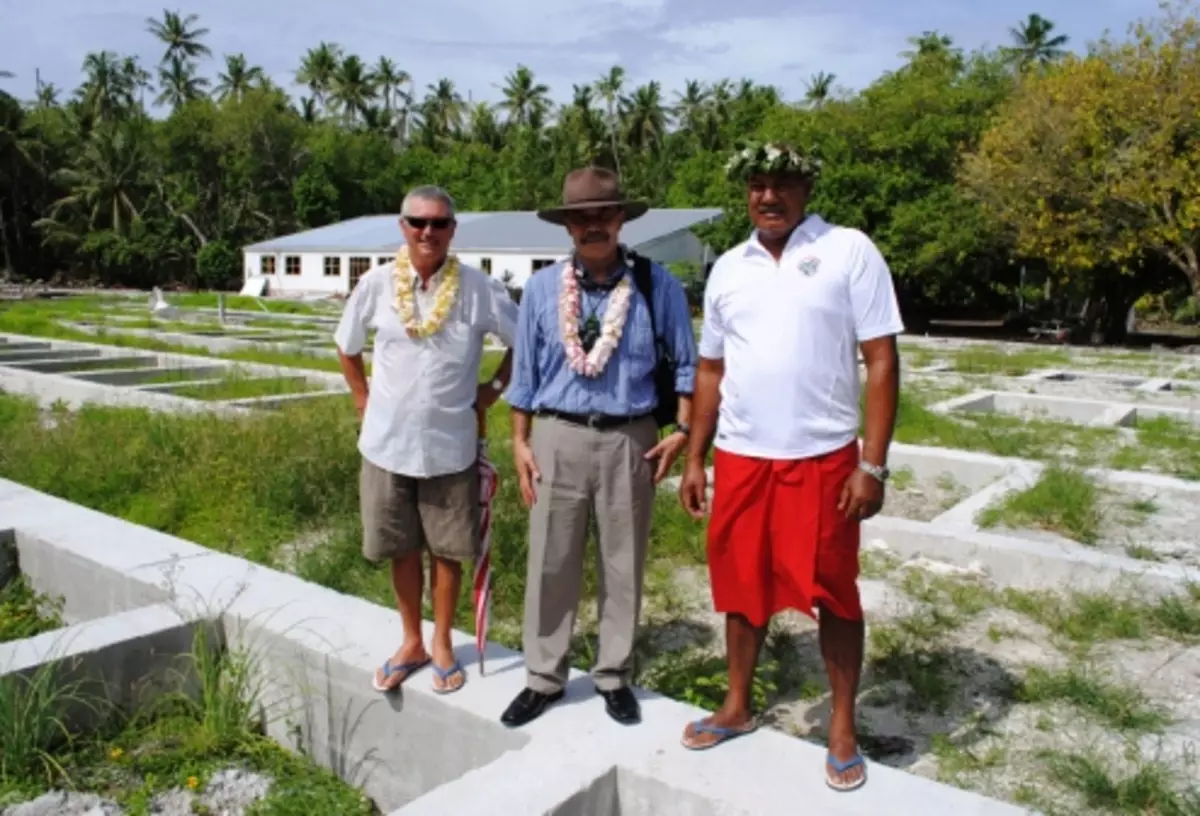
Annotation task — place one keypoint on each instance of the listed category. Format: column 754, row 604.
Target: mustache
column 595, row 237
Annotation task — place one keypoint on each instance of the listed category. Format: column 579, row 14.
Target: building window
column 383, row 260
column 486, row 265
column 266, row 264
column 291, row 265
column 358, row 267
column 538, row 263
column 333, row 266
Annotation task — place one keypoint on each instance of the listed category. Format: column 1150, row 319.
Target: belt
column 599, row 422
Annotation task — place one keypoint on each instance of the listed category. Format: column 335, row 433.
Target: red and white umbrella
column 489, row 481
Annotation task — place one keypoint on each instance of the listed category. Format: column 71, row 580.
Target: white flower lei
column 591, row 363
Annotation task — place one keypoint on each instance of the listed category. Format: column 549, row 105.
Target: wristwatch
column 683, row 428
column 879, row 472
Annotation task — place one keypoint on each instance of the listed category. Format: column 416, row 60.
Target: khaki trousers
column 586, row 474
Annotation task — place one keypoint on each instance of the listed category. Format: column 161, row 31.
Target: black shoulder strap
column 644, row 278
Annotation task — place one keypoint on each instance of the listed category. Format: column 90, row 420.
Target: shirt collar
column 812, row 227
column 585, row 281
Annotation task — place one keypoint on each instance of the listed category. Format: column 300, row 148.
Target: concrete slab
column 417, row 752
column 89, row 364
column 9, row 358
column 139, row 376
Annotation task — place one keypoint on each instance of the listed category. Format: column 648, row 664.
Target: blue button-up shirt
column 541, row 377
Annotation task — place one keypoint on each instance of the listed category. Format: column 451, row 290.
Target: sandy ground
column 228, row 793
column 1142, row 522
column 921, row 499
column 983, row 737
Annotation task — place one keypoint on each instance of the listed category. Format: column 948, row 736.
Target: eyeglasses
column 421, row 223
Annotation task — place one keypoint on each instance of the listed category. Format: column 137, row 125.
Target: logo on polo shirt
column 810, row 265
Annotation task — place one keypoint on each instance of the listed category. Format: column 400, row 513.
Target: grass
column 1121, row 708
column 985, row 360
column 1146, row 789
column 37, row 324
column 1063, row 500
column 243, row 387
column 178, row 741
column 24, row 612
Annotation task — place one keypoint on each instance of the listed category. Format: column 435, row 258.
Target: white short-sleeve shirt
column 419, row 420
column 788, row 333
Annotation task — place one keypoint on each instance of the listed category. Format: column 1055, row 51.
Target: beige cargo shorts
column 402, row 514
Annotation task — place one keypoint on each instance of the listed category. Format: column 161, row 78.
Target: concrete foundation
column 78, row 373
column 413, row 752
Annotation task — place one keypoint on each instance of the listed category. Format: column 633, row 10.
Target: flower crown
column 753, row 158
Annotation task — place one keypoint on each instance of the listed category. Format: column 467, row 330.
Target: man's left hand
column 666, row 452
column 862, row 496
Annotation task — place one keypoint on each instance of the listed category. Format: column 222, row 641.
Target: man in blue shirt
column 584, row 364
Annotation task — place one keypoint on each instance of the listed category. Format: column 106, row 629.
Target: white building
column 331, row 259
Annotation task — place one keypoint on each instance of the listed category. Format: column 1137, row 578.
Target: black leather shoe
column 528, row 706
column 621, row 705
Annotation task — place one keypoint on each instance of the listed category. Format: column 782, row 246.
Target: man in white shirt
column 419, row 486
column 785, row 314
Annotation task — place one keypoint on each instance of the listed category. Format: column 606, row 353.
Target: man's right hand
column 693, row 489
column 360, row 405
column 527, row 472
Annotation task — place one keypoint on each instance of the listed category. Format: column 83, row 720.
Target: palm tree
column 237, row 78
column 317, row 70
column 103, row 181
column 609, row 87
column 525, row 99
column 177, row 33
column 692, row 105
column 645, row 117
column 108, row 86
column 391, row 81
column 818, row 88
column 443, row 109
column 352, row 88
column 1033, row 43
column 180, row 84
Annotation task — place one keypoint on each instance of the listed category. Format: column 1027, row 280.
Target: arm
column 680, row 340
column 877, row 321
column 523, row 366
column 351, row 337
column 882, row 396
column 706, row 403
column 502, row 320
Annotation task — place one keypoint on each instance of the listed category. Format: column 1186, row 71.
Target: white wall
column 674, row 248
column 312, row 278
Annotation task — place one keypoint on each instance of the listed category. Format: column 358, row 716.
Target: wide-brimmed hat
column 592, row 187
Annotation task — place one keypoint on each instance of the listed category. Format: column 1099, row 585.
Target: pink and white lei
column 592, row 363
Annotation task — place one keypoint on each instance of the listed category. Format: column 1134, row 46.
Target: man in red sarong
column 785, row 315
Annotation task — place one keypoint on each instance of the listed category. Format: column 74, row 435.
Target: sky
column 477, row 43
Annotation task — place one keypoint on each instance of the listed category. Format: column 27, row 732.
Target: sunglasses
column 421, row 223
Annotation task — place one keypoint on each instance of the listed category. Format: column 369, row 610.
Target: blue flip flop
column 842, row 767
column 389, row 670
column 723, row 734
column 445, row 674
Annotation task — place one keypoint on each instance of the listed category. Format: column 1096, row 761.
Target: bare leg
column 743, row 641
column 407, row 583
column 446, row 583
column 842, row 650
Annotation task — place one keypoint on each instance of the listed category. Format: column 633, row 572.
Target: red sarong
column 776, row 539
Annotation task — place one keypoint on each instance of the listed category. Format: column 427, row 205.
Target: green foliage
column 24, row 612
column 95, row 188
column 217, row 264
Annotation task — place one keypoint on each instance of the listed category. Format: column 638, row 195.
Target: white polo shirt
column 789, row 333
column 419, row 420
